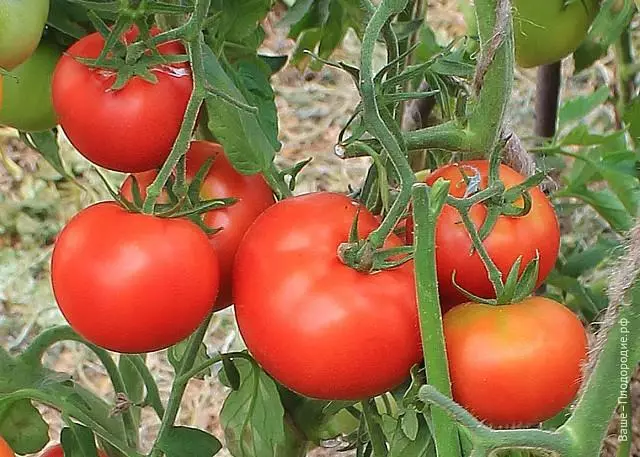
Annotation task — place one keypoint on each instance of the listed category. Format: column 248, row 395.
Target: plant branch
column 427, row 205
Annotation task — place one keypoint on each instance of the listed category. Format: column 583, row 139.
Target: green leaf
column 238, row 20
column 421, row 446
column 245, row 143
column 132, row 380
column 577, row 108
column 584, row 260
column 23, row 428
column 295, row 14
column 231, row 372
column 632, row 118
column 186, row 441
column 609, row 24
column 252, row 77
column 409, row 423
column 606, row 204
column 275, row 63
column 176, row 352
column 47, row 145
column 78, row 441
column 253, row 416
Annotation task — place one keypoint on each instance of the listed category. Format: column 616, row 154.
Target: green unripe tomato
column 26, row 102
column 21, row 26
column 547, row 31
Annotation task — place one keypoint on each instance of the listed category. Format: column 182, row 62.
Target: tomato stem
column 180, row 384
column 375, row 432
column 34, row 353
column 427, row 205
column 180, row 146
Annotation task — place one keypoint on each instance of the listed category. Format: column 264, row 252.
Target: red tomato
column 516, row 364
column 57, row 451
column 253, row 193
column 510, row 238
column 319, row 327
column 131, row 129
column 132, row 282
column 5, row 450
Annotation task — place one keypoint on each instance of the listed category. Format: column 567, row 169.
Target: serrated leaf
column 252, row 78
column 22, row 426
column 245, row 143
column 579, row 107
column 193, row 442
column 253, row 416
column 612, row 19
column 607, row 205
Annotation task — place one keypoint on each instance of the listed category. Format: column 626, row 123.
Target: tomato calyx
column 513, row 290
column 363, row 256
column 183, row 200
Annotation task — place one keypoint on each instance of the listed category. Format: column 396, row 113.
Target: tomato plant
column 535, row 234
column 343, row 338
column 122, row 279
column 222, row 181
column 327, row 324
column 5, row 450
column 27, row 104
column 549, row 31
column 516, row 364
column 21, row 26
column 130, row 129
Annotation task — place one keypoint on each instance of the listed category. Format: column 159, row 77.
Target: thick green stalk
column 588, row 424
column 494, row 78
column 377, row 126
column 195, row 41
column 427, row 205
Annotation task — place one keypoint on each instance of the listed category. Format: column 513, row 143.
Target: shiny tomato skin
column 21, row 26
column 27, row 104
column 57, row 451
column 131, row 129
column 516, row 364
column 5, row 450
column 317, row 326
column 223, row 181
column 510, row 238
column 131, row 282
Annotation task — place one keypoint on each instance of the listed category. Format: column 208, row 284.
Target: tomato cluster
column 318, row 326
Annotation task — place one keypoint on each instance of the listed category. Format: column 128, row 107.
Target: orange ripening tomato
column 517, row 364
column 223, row 181
column 5, row 450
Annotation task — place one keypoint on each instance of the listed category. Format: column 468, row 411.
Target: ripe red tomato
column 5, row 450
column 131, row 129
column 319, row 327
column 514, row 364
column 253, row 193
column 510, row 238
column 57, row 451
column 132, row 282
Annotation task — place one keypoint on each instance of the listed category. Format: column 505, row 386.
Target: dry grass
column 313, row 107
